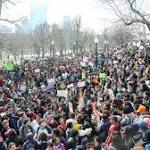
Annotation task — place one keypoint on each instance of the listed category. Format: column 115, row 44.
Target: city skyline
column 38, row 13
column 93, row 16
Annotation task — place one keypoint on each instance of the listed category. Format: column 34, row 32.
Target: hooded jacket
column 30, row 143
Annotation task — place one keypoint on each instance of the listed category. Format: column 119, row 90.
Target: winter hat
column 2, row 109
column 29, row 136
column 141, row 109
column 71, row 143
column 135, row 126
column 119, row 96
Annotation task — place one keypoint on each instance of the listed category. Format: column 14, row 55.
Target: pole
column 50, row 50
column 74, row 47
column 96, row 56
column 53, row 51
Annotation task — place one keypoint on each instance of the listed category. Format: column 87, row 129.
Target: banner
column 10, row 67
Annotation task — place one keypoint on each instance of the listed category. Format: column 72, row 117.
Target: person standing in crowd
column 12, row 146
column 114, row 129
column 71, row 103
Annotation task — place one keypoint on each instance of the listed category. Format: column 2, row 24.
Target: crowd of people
column 72, row 104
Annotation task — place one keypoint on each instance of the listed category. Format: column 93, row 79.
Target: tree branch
column 136, row 11
column 132, row 2
column 11, row 21
column 9, row 1
column 133, row 21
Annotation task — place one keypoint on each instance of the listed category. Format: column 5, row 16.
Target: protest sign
column 37, row 70
column 71, row 108
column 70, row 86
column 62, row 93
column 82, row 64
column 83, row 75
column 85, row 59
column 81, row 84
column 103, row 76
column 10, row 67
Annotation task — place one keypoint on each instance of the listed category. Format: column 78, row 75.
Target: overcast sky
column 93, row 16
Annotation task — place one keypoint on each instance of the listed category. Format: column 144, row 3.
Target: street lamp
column 53, row 43
column 96, row 49
column 106, row 45
column 74, row 47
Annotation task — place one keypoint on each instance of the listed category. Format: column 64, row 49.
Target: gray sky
column 93, row 16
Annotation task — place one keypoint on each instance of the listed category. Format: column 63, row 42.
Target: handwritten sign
column 62, row 93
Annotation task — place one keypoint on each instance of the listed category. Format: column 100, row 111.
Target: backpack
column 49, row 130
column 25, row 130
column 30, row 145
column 129, row 119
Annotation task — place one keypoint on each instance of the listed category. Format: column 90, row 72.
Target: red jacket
column 114, row 128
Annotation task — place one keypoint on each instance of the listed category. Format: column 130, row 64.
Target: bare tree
column 4, row 5
column 117, row 35
column 11, row 45
column 131, row 11
column 35, row 45
column 83, row 40
column 23, row 44
column 77, row 22
column 42, row 35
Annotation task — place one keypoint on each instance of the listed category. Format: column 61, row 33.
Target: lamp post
column 50, row 50
column 96, row 49
column 53, row 43
column 106, row 45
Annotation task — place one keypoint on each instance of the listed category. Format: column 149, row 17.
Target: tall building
column 66, row 19
column 38, row 12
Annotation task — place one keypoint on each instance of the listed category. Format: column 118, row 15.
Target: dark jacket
column 42, row 145
column 13, row 137
column 30, row 143
column 24, row 130
column 103, row 130
column 3, row 146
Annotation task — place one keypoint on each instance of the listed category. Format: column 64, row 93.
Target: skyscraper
column 38, row 12
column 66, row 19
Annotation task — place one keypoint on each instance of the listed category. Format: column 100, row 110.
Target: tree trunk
column 61, row 52
column 1, row 54
column 8, row 56
column 22, row 54
column 1, row 4
column 54, row 53
column 65, row 53
column 50, row 51
column 77, row 47
column 43, row 52
column 148, row 26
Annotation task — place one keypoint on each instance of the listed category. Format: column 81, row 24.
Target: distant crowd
column 73, row 104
